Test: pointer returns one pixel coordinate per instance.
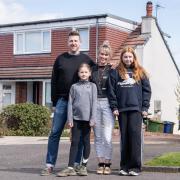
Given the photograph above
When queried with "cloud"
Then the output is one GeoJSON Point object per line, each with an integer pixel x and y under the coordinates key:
{"type": "Point", "coordinates": [11, 11]}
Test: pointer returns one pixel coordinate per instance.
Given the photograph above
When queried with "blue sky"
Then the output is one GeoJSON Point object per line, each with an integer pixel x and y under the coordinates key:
{"type": "Point", "coordinates": [26, 10]}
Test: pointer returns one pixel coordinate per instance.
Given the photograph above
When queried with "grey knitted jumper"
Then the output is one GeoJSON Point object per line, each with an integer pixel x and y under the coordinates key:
{"type": "Point", "coordinates": [82, 103]}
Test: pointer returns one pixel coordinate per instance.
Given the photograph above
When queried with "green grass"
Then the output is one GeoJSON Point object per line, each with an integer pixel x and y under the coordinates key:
{"type": "Point", "coordinates": [168, 159]}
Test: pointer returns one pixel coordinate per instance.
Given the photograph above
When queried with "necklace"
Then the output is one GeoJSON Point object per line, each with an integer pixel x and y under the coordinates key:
{"type": "Point", "coordinates": [101, 70]}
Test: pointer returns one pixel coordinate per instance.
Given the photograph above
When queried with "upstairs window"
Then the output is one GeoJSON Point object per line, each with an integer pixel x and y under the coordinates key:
{"type": "Point", "coordinates": [32, 42]}
{"type": "Point", "coordinates": [84, 33]}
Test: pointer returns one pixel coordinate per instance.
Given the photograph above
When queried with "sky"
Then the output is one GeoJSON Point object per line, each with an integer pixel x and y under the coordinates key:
{"type": "Point", "coordinates": [12, 11]}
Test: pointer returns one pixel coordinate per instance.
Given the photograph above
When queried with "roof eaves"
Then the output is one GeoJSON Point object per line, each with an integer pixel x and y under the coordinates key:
{"type": "Point", "coordinates": [68, 19]}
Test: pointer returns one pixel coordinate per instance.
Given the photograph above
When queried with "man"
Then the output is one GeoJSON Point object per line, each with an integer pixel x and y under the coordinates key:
{"type": "Point", "coordinates": [64, 74]}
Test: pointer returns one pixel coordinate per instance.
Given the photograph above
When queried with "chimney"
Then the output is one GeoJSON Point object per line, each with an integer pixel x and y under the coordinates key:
{"type": "Point", "coordinates": [148, 21]}
{"type": "Point", "coordinates": [149, 8]}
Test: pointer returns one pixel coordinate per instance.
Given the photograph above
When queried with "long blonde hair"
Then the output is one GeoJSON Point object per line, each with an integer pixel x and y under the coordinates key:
{"type": "Point", "coordinates": [138, 71]}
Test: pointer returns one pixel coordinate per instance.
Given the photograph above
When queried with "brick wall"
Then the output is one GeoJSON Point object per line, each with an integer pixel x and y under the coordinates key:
{"type": "Point", "coordinates": [59, 45]}
{"type": "Point", "coordinates": [114, 36]}
{"type": "Point", "coordinates": [6, 50]}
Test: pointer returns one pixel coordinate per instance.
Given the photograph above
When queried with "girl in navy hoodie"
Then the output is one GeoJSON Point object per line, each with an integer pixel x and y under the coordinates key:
{"type": "Point", "coordinates": [129, 96]}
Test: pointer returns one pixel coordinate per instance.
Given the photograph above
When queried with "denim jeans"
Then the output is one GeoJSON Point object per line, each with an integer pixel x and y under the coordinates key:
{"type": "Point", "coordinates": [58, 123]}
{"type": "Point", "coordinates": [103, 130]}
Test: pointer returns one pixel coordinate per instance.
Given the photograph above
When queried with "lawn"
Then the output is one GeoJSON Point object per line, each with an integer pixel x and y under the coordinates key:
{"type": "Point", "coordinates": [168, 159]}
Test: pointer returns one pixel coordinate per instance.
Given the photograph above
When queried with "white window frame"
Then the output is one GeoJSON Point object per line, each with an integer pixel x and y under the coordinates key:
{"type": "Point", "coordinates": [29, 52]}
{"type": "Point", "coordinates": [88, 29]}
{"type": "Point", "coordinates": [44, 91]}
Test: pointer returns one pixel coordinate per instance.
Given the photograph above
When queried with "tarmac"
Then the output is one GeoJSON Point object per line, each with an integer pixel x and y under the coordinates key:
{"type": "Point", "coordinates": [23, 157]}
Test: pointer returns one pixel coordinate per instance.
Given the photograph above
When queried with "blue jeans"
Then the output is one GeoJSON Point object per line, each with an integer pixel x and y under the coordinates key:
{"type": "Point", "coordinates": [58, 123]}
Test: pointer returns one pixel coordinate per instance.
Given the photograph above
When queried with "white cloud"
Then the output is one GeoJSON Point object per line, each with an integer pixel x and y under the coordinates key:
{"type": "Point", "coordinates": [11, 11]}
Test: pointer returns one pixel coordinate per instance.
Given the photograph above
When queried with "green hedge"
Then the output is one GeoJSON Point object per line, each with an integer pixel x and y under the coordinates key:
{"type": "Point", "coordinates": [25, 119]}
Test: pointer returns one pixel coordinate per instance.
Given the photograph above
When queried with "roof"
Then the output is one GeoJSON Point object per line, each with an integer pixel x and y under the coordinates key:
{"type": "Point", "coordinates": [26, 73]}
{"type": "Point", "coordinates": [134, 39]}
{"type": "Point", "coordinates": [69, 19]}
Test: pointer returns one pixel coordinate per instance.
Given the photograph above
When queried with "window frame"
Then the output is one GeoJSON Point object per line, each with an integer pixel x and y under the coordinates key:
{"type": "Point", "coordinates": [79, 28]}
{"type": "Point", "coordinates": [23, 33]}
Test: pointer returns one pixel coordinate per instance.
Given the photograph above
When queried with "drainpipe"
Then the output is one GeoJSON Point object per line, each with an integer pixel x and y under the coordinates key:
{"type": "Point", "coordinates": [97, 35]}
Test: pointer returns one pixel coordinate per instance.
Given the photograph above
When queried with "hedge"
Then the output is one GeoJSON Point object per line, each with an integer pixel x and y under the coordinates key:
{"type": "Point", "coordinates": [25, 119]}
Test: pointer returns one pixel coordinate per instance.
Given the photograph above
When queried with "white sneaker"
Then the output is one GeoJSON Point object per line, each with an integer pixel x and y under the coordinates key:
{"type": "Point", "coordinates": [123, 173]}
{"type": "Point", "coordinates": [133, 173]}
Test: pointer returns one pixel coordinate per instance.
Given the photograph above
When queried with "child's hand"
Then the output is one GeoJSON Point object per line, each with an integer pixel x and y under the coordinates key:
{"type": "Point", "coordinates": [91, 123]}
{"type": "Point", "coordinates": [70, 124]}
{"type": "Point", "coordinates": [116, 113]}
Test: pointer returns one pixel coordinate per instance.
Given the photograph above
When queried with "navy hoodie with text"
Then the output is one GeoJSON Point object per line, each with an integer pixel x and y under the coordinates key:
{"type": "Point", "coordinates": [127, 94]}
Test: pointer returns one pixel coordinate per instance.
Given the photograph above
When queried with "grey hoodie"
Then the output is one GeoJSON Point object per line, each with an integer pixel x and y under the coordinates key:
{"type": "Point", "coordinates": [82, 103]}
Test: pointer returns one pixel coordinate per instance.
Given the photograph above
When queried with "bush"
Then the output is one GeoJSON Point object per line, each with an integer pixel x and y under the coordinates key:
{"type": "Point", "coordinates": [25, 119]}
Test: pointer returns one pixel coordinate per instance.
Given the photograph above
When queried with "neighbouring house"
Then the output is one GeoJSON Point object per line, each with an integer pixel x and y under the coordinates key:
{"type": "Point", "coordinates": [28, 51]}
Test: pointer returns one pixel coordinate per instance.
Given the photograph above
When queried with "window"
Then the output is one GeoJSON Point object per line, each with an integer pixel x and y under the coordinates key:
{"type": "Point", "coordinates": [31, 42]}
{"type": "Point", "coordinates": [84, 33]}
{"type": "Point", "coordinates": [7, 95]}
{"type": "Point", "coordinates": [6, 100]}
{"type": "Point", "coordinates": [48, 102]}
{"type": "Point", "coordinates": [157, 106]}
{"type": "Point", "coordinates": [157, 109]}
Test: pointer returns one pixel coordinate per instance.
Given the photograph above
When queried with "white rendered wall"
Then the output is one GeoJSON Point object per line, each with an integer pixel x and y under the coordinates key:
{"type": "Point", "coordinates": [163, 76]}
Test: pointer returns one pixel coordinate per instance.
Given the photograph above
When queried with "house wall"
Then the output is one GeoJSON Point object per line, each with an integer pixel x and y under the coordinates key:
{"type": "Point", "coordinates": [115, 31]}
{"type": "Point", "coordinates": [6, 50]}
{"type": "Point", "coordinates": [115, 37]}
{"type": "Point", "coordinates": [163, 76]}
{"type": "Point", "coordinates": [59, 38]}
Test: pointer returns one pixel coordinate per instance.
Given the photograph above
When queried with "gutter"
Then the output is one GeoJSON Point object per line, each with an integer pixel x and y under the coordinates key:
{"type": "Point", "coordinates": [97, 37]}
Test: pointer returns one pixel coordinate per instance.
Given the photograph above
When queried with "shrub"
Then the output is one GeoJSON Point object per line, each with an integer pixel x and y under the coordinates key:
{"type": "Point", "coordinates": [25, 119]}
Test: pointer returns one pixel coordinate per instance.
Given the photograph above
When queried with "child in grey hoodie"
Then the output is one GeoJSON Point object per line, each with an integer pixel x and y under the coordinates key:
{"type": "Point", "coordinates": [82, 107]}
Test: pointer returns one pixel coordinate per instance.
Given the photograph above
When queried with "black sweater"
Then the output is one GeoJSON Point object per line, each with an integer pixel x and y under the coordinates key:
{"type": "Point", "coordinates": [128, 95]}
{"type": "Point", "coordinates": [65, 73]}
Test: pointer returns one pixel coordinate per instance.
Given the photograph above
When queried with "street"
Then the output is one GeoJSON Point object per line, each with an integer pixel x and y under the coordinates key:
{"type": "Point", "coordinates": [25, 161]}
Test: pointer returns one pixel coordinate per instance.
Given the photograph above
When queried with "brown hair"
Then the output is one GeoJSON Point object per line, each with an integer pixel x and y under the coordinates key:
{"type": "Point", "coordinates": [74, 33]}
{"type": "Point", "coordinates": [138, 71]}
{"type": "Point", "coordinates": [84, 65]}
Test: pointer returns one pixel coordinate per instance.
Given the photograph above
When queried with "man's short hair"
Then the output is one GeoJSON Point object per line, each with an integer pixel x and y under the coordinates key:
{"type": "Point", "coordinates": [74, 33]}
